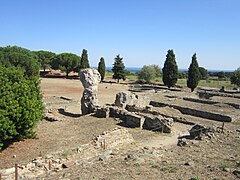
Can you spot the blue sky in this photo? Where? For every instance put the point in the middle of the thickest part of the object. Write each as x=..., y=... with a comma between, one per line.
x=141, y=31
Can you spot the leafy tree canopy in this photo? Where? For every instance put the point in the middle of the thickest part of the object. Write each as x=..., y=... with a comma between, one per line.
x=235, y=79
x=203, y=73
x=66, y=62
x=20, y=57
x=44, y=58
x=149, y=73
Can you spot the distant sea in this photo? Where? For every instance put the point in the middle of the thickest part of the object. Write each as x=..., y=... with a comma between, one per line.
x=181, y=70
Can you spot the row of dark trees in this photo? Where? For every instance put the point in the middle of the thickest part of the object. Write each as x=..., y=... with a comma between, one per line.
x=170, y=73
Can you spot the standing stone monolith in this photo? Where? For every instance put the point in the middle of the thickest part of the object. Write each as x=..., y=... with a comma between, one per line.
x=90, y=79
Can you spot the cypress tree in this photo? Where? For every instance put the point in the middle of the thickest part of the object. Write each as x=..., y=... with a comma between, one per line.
x=101, y=68
x=170, y=70
x=84, y=63
x=118, y=68
x=193, y=74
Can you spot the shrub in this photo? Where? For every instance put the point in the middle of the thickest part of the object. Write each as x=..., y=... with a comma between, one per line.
x=20, y=105
x=149, y=73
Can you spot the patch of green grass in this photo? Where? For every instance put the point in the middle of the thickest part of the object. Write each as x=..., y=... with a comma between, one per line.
x=66, y=153
x=208, y=83
x=155, y=165
x=227, y=164
x=169, y=169
x=195, y=178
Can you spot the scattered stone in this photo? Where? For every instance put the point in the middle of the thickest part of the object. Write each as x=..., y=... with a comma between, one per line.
x=182, y=142
x=236, y=173
x=126, y=98
x=8, y=171
x=131, y=156
x=226, y=169
x=68, y=164
x=90, y=79
x=189, y=163
x=157, y=123
x=198, y=131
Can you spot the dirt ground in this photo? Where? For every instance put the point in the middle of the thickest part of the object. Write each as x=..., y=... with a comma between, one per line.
x=153, y=155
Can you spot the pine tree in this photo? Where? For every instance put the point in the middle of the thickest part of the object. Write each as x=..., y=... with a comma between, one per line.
x=193, y=74
x=84, y=63
x=170, y=70
x=118, y=68
x=101, y=68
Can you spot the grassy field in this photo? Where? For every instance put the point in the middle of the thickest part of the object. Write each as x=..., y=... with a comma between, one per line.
x=211, y=82
x=208, y=83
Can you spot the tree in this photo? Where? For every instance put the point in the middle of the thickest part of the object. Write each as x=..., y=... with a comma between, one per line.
x=221, y=75
x=84, y=63
x=21, y=105
x=149, y=73
x=66, y=62
x=118, y=68
x=235, y=79
x=101, y=68
x=193, y=74
x=45, y=58
x=203, y=73
x=20, y=57
x=182, y=74
x=170, y=70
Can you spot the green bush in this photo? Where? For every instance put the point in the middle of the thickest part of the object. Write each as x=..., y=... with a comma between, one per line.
x=20, y=105
x=149, y=73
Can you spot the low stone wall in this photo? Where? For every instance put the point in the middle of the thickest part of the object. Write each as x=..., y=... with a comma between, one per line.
x=195, y=112
x=199, y=100
x=149, y=110
x=139, y=119
x=112, y=138
x=40, y=166
x=237, y=106
x=208, y=94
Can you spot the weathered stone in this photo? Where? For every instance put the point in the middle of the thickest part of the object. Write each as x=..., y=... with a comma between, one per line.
x=217, y=116
x=125, y=98
x=182, y=142
x=132, y=120
x=112, y=138
x=236, y=172
x=102, y=112
x=68, y=164
x=157, y=123
x=198, y=131
x=117, y=112
x=90, y=79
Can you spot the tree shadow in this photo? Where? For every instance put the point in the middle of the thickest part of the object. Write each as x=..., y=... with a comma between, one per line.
x=69, y=114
